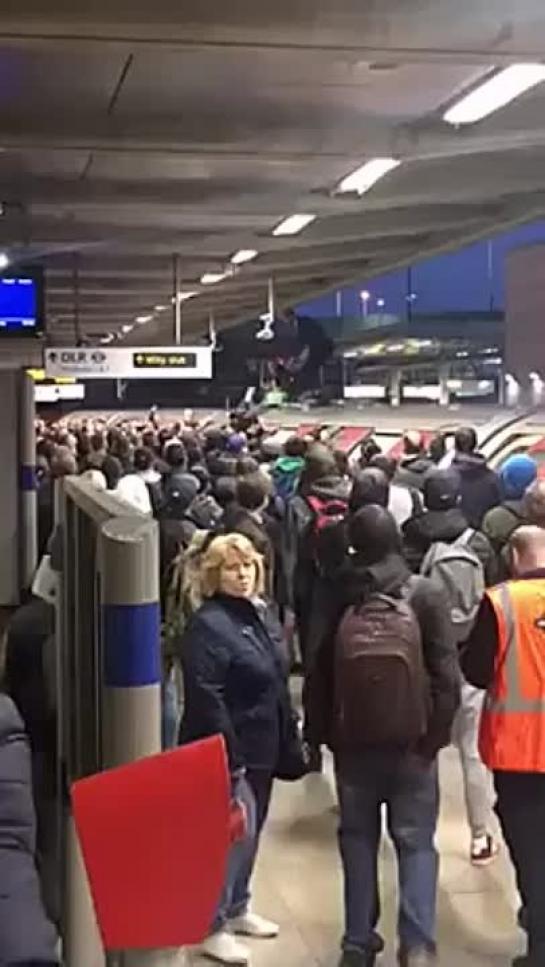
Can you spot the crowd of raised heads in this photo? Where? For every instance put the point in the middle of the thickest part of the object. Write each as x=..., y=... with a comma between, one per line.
x=384, y=580
x=163, y=467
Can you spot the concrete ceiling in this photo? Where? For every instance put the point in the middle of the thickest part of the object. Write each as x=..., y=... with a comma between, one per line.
x=131, y=131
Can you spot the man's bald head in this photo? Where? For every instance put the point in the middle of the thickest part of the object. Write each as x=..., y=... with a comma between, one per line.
x=534, y=503
x=527, y=547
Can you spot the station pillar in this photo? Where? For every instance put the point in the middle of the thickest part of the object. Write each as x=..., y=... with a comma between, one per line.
x=444, y=393
x=27, y=481
x=525, y=309
x=395, y=387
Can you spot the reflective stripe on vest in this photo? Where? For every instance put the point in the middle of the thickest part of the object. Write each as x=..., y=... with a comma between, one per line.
x=514, y=700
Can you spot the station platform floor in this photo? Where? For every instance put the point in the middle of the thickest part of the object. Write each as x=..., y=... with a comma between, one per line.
x=298, y=884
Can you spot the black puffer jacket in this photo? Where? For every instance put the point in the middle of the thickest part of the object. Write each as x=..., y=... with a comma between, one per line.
x=354, y=582
x=412, y=470
x=26, y=936
x=447, y=526
x=479, y=485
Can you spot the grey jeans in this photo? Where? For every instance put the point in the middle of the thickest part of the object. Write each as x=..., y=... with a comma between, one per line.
x=478, y=786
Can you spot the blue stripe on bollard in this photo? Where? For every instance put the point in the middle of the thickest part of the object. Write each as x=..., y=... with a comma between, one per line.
x=27, y=478
x=132, y=653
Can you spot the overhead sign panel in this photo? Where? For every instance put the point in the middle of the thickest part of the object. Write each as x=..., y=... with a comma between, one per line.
x=126, y=362
x=165, y=360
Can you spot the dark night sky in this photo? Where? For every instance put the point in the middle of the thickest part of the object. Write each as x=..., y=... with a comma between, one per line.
x=469, y=279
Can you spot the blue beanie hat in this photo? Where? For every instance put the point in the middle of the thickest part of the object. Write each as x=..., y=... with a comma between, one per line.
x=516, y=475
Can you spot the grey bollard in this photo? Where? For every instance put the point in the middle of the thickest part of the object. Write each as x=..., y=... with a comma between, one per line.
x=129, y=569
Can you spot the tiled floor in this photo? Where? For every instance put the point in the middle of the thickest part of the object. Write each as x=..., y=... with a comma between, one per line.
x=298, y=884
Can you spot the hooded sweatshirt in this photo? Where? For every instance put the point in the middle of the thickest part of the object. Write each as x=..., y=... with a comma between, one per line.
x=479, y=485
x=412, y=470
x=499, y=524
x=443, y=521
x=285, y=474
x=299, y=555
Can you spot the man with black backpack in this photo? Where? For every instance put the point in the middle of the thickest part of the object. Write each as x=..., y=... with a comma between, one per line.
x=383, y=694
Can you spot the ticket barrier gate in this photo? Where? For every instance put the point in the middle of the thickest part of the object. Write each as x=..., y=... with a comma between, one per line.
x=108, y=676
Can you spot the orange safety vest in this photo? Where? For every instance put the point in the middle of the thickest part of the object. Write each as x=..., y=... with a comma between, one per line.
x=512, y=735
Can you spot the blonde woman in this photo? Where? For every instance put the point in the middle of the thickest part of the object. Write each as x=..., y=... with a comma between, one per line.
x=235, y=681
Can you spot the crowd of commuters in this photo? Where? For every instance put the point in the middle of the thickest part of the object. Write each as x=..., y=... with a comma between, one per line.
x=411, y=593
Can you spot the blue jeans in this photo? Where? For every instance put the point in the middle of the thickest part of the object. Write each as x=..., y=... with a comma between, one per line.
x=254, y=790
x=409, y=787
x=170, y=716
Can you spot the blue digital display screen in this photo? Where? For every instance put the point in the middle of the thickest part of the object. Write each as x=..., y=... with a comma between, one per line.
x=19, y=304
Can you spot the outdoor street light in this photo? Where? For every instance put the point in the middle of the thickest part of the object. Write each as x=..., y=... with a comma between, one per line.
x=365, y=296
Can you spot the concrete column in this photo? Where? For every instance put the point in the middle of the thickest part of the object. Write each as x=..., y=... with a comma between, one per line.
x=28, y=540
x=525, y=311
x=11, y=558
x=395, y=387
x=444, y=395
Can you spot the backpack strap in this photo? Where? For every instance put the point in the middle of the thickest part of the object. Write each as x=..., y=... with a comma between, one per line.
x=466, y=538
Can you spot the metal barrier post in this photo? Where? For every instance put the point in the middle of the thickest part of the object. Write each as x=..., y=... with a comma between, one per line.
x=27, y=481
x=83, y=944
x=129, y=574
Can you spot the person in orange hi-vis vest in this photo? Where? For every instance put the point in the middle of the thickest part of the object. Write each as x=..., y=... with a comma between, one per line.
x=506, y=655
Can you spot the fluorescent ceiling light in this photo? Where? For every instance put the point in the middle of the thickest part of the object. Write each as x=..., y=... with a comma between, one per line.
x=160, y=308
x=244, y=255
x=293, y=225
x=495, y=93
x=363, y=178
x=210, y=278
x=108, y=338
x=127, y=328
x=141, y=320
x=4, y=261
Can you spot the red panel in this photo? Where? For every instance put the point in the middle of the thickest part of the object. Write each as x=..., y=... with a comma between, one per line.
x=349, y=437
x=155, y=837
x=307, y=429
x=397, y=450
x=538, y=447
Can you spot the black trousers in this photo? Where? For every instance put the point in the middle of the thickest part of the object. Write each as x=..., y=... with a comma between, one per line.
x=521, y=810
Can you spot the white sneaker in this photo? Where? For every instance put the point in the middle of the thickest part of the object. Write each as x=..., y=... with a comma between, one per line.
x=252, y=925
x=225, y=948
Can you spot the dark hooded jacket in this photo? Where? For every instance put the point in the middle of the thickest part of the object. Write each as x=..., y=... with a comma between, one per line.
x=446, y=526
x=412, y=470
x=205, y=512
x=501, y=522
x=480, y=486
x=26, y=936
x=354, y=582
x=299, y=557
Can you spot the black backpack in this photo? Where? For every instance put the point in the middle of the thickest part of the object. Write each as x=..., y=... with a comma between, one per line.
x=382, y=692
